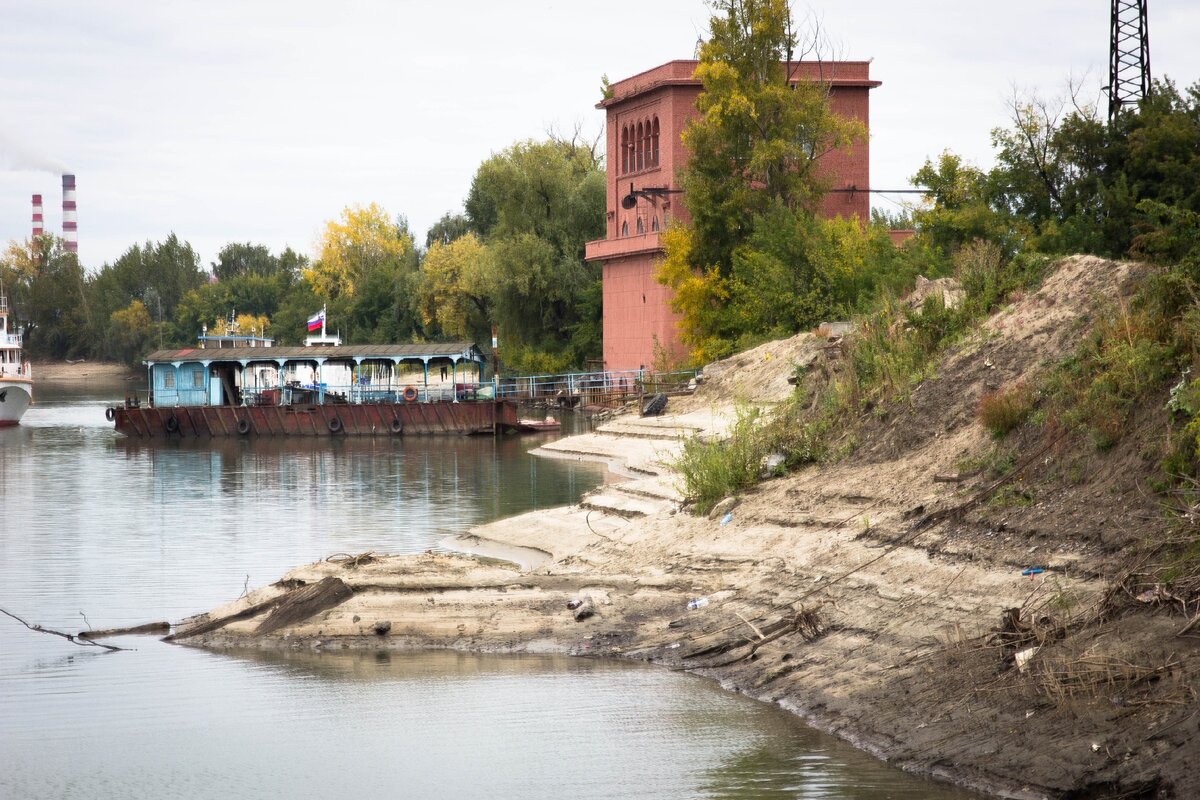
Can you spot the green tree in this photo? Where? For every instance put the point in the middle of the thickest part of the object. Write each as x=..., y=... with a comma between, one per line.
x=47, y=290
x=237, y=260
x=533, y=208
x=447, y=229
x=960, y=207
x=759, y=134
x=752, y=183
x=158, y=274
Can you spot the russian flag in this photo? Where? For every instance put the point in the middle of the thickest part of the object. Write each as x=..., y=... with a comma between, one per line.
x=316, y=320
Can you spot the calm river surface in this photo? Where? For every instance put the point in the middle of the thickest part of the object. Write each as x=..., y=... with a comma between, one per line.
x=97, y=526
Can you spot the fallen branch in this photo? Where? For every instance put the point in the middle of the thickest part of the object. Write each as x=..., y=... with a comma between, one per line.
x=70, y=637
x=753, y=627
x=149, y=627
x=957, y=477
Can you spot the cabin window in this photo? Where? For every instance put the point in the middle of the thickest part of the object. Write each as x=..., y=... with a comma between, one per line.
x=197, y=379
x=169, y=379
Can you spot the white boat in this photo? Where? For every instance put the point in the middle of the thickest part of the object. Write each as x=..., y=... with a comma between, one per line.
x=16, y=378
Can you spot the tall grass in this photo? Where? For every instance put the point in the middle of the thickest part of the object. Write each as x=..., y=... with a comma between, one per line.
x=1004, y=409
x=713, y=469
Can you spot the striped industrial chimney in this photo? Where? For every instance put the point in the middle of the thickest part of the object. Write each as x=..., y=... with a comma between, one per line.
x=38, y=226
x=70, y=221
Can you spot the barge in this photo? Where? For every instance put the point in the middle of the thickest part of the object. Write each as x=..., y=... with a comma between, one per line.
x=252, y=388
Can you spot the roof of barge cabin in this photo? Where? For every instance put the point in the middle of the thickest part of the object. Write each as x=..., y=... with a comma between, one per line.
x=421, y=352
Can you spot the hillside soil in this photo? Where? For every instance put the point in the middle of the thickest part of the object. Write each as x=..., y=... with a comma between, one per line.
x=998, y=629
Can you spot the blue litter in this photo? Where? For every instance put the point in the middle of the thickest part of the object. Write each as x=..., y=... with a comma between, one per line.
x=728, y=518
x=1031, y=571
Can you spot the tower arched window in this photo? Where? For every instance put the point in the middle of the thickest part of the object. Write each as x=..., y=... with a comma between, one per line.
x=654, y=143
x=646, y=142
x=625, y=149
x=641, y=227
x=641, y=148
x=654, y=224
x=625, y=228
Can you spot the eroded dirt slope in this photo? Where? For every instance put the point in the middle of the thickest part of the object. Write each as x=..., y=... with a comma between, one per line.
x=885, y=598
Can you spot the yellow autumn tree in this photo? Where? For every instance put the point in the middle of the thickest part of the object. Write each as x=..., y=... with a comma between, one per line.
x=698, y=295
x=453, y=295
x=130, y=332
x=243, y=325
x=363, y=240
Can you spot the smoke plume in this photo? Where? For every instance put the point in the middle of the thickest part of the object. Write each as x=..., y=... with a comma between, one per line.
x=18, y=155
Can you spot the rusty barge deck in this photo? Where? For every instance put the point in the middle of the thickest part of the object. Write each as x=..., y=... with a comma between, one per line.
x=374, y=419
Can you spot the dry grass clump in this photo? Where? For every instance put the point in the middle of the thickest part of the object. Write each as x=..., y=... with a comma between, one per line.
x=1004, y=409
x=1065, y=677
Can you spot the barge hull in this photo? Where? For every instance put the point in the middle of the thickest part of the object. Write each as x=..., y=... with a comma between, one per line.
x=383, y=419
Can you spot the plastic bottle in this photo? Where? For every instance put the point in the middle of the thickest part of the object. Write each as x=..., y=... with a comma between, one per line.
x=699, y=602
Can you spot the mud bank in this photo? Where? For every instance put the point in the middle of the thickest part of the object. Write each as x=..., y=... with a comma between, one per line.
x=75, y=372
x=875, y=598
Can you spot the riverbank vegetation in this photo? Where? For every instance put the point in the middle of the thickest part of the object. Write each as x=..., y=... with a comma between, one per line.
x=1065, y=181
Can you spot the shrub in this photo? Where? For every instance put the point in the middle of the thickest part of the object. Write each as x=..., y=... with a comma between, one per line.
x=714, y=469
x=1002, y=410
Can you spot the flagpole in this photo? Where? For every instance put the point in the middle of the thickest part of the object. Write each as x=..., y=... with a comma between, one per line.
x=322, y=321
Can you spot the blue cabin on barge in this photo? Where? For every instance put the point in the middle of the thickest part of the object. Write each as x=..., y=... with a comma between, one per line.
x=316, y=390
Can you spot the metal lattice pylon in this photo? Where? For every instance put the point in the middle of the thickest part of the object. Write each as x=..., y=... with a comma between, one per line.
x=1129, y=55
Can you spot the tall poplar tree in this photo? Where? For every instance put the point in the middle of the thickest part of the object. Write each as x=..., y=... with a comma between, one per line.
x=754, y=149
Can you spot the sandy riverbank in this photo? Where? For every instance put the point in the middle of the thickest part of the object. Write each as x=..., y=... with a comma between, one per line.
x=866, y=596
x=82, y=371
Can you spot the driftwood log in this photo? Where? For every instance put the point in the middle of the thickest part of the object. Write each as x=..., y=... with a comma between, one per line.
x=305, y=602
x=288, y=608
x=149, y=627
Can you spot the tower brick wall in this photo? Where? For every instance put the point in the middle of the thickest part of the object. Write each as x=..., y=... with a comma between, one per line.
x=639, y=326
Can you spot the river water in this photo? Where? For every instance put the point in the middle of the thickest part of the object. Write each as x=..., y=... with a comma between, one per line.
x=97, y=530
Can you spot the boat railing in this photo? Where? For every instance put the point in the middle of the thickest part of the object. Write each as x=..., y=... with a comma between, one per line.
x=10, y=340
x=607, y=388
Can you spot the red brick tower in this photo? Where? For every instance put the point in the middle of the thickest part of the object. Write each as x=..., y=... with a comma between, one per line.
x=646, y=116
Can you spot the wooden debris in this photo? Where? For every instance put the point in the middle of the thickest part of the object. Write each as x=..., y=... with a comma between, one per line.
x=70, y=637
x=350, y=561
x=957, y=477
x=214, y=623
x=295, y=605
x=300, y=604
x=149, y=627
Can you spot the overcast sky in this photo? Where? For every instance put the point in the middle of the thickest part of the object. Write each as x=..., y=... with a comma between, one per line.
x=237, y=120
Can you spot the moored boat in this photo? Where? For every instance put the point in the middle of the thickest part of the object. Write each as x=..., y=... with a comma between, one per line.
x=248, y=387
x=16, y=377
